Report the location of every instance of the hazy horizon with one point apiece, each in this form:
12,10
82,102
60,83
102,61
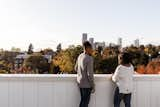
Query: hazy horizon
45,23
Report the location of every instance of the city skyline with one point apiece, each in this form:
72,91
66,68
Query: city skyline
84,37
46,23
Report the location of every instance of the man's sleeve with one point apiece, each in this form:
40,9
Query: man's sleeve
76,66
115,76
90,71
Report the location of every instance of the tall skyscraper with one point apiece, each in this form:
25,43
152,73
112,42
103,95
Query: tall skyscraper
136,43
100,44
119,43
91,40
84,37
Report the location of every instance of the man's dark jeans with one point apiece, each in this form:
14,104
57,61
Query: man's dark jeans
118,97
85,96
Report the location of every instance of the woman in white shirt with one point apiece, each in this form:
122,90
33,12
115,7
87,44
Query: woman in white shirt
123,77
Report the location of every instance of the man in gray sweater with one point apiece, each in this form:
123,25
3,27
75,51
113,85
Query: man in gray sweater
84,68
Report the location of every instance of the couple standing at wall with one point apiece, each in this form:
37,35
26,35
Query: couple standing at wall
123,77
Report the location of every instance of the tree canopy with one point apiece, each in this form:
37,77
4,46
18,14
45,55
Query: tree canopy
37,62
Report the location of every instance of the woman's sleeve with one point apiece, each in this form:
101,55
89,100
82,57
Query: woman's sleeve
115,76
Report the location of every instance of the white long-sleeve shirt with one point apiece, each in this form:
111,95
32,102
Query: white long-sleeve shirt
123,77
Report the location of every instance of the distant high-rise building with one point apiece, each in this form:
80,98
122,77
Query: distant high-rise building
112,44
91,40
136,43
100,44
84,37
119,43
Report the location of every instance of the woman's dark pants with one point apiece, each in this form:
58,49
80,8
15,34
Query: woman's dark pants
118,97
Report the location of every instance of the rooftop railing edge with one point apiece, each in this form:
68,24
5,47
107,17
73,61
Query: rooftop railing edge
73,76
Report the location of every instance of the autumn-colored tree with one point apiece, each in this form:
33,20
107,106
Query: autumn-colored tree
153,67
106,62
97,59
66,59
110,52
108,66
141,69
152,50
63,60
37,62
7,60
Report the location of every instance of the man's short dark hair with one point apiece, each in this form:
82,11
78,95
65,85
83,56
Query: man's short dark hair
87,44
125,58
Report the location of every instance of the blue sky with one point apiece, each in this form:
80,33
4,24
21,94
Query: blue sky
46,23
